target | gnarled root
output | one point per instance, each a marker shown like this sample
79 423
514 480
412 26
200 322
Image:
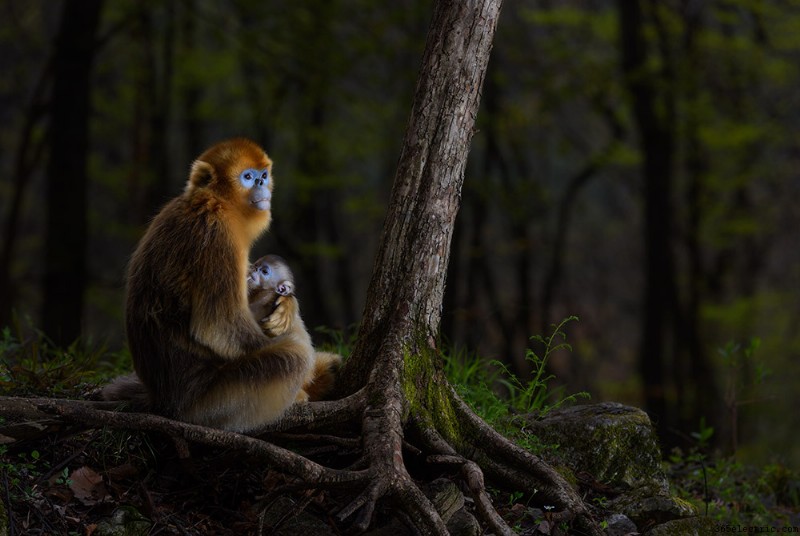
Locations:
388 429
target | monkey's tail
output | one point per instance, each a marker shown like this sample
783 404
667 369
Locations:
128 388
323 375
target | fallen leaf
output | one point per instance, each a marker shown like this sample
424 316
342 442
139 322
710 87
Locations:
122 472
88 486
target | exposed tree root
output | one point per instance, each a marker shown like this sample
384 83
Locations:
473 477
380 472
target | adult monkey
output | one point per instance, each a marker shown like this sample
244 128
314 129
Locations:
198 353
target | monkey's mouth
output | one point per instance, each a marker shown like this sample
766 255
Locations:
261 204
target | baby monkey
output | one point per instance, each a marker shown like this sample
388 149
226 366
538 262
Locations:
269 280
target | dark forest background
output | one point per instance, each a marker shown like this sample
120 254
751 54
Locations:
636 164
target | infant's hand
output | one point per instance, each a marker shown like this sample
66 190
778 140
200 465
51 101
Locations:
280 320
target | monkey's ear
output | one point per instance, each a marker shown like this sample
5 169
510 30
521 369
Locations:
285 288
201 175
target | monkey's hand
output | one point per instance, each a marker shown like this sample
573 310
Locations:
281 319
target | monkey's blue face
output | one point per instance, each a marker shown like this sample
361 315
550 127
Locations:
260 274
265 270
257 182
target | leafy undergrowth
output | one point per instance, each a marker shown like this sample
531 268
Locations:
733 494
67 480
737 494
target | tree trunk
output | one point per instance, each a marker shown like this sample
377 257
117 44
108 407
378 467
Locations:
65 255
26 157
653 109
395 356
696 369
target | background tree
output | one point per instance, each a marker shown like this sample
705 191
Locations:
67 171
654 110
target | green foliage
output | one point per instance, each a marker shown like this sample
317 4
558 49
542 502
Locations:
703 435
477 384
735 357
31 364
734 493
728 490
745 374
535 395
20 472
337 341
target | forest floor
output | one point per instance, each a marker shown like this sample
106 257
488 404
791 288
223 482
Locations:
69 481
56 479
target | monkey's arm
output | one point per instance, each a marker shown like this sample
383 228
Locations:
220 316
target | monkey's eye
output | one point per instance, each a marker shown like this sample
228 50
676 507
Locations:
264 175
265 270
247 177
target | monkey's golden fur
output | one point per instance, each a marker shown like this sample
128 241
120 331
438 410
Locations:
199 354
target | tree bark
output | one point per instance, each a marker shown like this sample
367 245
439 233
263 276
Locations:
66 205
405 292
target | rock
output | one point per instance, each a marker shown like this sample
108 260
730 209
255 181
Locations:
646 508
463 524
615 449
690 526
614 443
124 521
620 525
449 503
446 497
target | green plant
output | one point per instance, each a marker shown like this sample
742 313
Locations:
341 341
734 493
477 384
474 382
744 374
703 436
63 477
32 364
20 472
536 395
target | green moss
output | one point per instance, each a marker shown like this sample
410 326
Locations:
690 526
428 395
568 474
